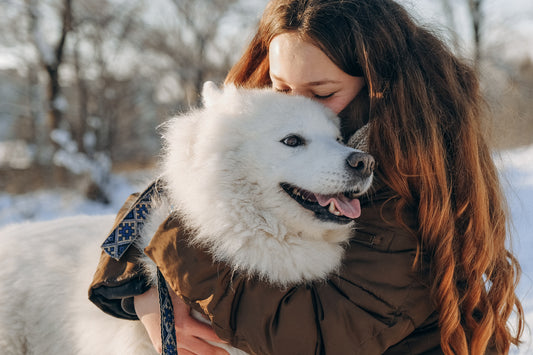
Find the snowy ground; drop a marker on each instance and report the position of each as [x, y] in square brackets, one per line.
[516, 168]
[517, 171]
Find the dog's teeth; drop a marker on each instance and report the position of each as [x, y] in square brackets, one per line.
[333, 210]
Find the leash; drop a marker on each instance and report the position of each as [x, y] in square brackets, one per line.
[168, 331]
[123, 236]
[127, 230]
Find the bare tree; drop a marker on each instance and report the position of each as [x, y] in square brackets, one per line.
[15, 36]
[51, 57]
[449, 15]
[476, 16]
[115, 58]
[100, 26]
[476, 23]
[83, 96]
[193, 41]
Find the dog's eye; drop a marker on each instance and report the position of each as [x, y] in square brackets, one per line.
[293, 140]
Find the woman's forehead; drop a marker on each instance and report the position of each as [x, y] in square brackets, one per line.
[294, 60]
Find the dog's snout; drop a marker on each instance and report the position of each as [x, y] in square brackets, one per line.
[361, 163]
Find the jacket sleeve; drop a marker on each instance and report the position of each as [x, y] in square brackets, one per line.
[115, 282]
[374, 302]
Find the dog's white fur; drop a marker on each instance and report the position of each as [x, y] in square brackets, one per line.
[224, 177]
[223, 166]
[45, 270]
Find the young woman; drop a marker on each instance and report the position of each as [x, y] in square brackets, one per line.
[427, 271]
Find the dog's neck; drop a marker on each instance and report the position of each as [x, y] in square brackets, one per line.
[282, 259]
[268, 250]
[264, 251]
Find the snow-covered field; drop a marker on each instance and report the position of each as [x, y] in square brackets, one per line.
[517, 172]
[49, 204]
[516, 168]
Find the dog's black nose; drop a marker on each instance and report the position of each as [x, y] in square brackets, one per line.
[361, 163]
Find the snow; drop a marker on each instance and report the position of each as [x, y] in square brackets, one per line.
[98, 165]
[16, 154]
[46, 52]
[50, 204]
[64, 139]
[60, 103]
[516, 168]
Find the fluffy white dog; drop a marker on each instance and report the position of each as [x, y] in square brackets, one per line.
[263, 178]
[266, 182]
[45, 269]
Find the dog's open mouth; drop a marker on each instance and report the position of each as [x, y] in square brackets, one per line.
[340, 208]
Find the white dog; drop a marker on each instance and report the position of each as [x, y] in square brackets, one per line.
[45, 269]
[263, 178]
[266, 182]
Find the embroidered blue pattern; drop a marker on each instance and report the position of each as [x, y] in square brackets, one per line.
[120, 238]
[168, 332]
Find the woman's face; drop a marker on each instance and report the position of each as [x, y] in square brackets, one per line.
[298, 67]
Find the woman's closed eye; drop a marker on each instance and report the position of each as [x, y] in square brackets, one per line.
[285, 91]
[323, 97]
[312, 95]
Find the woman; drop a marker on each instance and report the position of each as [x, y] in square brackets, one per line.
[427, 270]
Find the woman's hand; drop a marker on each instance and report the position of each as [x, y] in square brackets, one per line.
[191, 334]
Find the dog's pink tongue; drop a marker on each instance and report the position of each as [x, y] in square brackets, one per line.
[350, 208]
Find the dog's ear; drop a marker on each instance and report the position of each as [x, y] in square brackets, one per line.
[210, 93]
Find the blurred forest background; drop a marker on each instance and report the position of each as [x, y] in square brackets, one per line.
[84, 84]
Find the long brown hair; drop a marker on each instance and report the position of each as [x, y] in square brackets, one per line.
[425, 107]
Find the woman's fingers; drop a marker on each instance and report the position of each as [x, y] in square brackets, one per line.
[197, 346]
[185, 352]
[200, 330]
[187, 324]
[192, 335]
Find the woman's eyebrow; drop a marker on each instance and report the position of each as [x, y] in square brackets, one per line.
[311, 83]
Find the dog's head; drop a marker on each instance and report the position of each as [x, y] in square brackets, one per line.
[261, 159]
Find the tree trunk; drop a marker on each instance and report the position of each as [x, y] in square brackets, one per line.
[51, 59]
[477, 17]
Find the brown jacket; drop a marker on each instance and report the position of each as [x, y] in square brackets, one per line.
[376, 304]
[116, 282]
